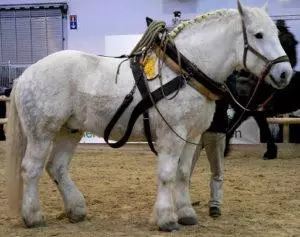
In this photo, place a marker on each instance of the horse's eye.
(259, 35)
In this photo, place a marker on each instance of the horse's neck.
(211, 46)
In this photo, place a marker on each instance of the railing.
(285, 121)
(9, 72)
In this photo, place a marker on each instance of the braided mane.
(202, 19)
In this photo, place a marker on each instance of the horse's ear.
(148, 21)
(244, 12)
(265, 7)
(240, 7)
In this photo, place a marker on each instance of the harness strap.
(213, 92)
(193, 71)
(147, 131)
(144, 104)
(138, 75)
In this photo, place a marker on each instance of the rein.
(245, 107)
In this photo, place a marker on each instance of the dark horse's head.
(287, 41)
(288, 99)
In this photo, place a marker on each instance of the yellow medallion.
(149, 66)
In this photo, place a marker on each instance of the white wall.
(99, 18)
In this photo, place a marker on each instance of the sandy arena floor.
(261, 198)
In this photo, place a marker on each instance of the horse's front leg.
(186, 213)
(169, 150)
(263, 125)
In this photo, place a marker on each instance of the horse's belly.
(186, 111)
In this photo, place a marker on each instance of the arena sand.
(261, 198)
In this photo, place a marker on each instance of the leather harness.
(188, 73)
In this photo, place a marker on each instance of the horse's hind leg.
(32, 168)
(57, 167)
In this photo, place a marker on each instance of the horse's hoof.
(269, 157)
(75, 218)
(188, 220)
(169, 227)
(35, 224)
(227, 151)
(214, 212)
(271, 152)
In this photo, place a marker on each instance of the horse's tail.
(16, 146)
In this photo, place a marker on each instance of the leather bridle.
(248, 47)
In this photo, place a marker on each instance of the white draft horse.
(74, 91)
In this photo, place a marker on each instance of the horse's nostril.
(282, 75)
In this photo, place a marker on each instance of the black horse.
(2, 115)
(280, 102)
(3, 91)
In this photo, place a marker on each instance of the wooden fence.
(285, 121)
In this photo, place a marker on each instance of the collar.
(194, 76)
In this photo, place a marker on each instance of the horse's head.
(287, 41)
(262, 52)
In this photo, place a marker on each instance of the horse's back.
(70, 85)
(66, 63)
(45, 91)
